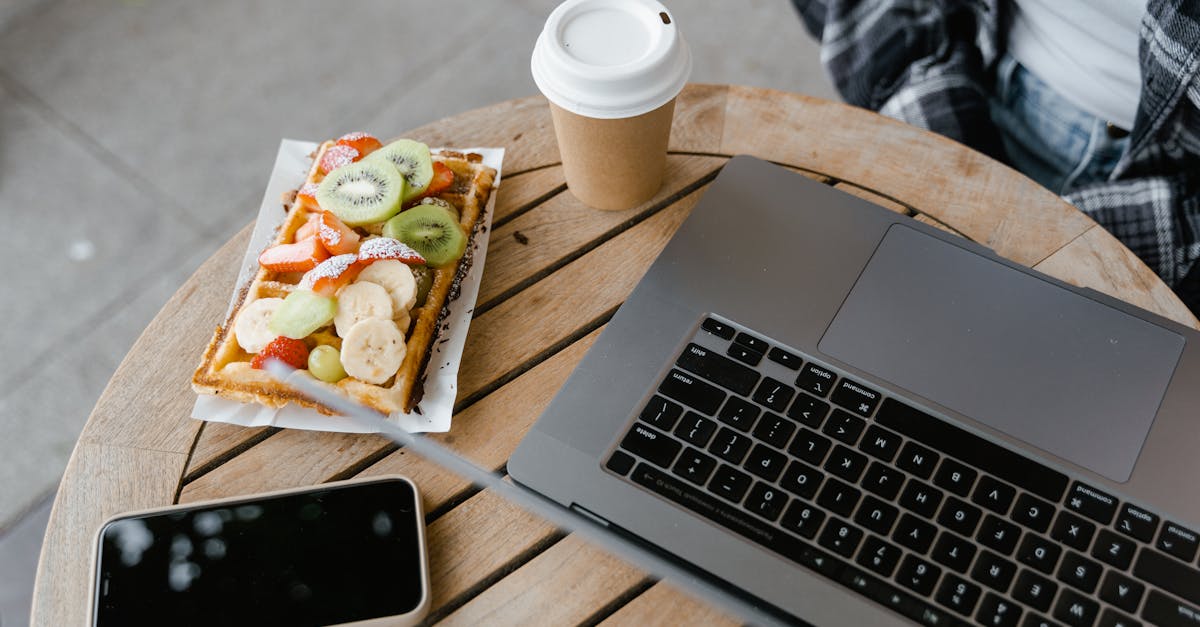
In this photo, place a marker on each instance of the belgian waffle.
(225, 369)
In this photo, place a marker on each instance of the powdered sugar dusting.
(308, 189)
(330, 235)
(353, 137)
(338, 156)
(388, 248)
(328, 269)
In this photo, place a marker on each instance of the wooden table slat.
(664, 605)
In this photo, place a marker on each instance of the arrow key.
(1122, 591)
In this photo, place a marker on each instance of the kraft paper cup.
(611, 70)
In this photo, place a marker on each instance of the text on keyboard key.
(1137, 523)
(855, 397)
(808, 411)
(1178, 541)
(693, 392)
(815, 379)
(717, 368)
(1092, 503)
(651, 445)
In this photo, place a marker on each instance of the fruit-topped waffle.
(354, 288)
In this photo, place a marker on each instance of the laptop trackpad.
(1064, 373)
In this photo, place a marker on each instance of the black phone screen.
(326, 556)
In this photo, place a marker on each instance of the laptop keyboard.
(910, 511)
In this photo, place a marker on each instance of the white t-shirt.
(1086, 50)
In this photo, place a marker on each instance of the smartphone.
(349, 552)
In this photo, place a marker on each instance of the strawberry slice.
(309, 229)
(337, 156)
(298, 257)
(332, 274)
(443, 177)
(388, 248)
(364, 143)
(306, 196)
(338, 238)
(291, 352)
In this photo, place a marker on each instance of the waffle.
(225, 369)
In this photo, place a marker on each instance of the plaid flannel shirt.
(929, 63)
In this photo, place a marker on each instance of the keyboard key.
(1163, 610)
(1177, 541)
(1073, 531)
(846, 463)
(775, 430)
(766, 500)
(620, 462)
(694, 466)
(883, 481)
(1113, 618)
(1039, 553)
(784, 358)
(955, 477)
(959, 516)
(993, 571)
(1159, 570)
(717, 328)
(1121, 591)
(765, 462)
(917, 459)
(661, 413)
(921, 498)
(808, 411)
(730, 483)
(1113, 549)
(739, 414)
(1032, 512)
(1075, 609)
(880, 443)
(879, 556)
(774, 395)
(855, 397)
(993, 495)
(958, 594)
(914, 533)
(810, 446)
(651, 445)
(998, 534)
(838, 497)
(1037, 620)
(973, 450)
(801, 479)
(696, 429)
(803, 519)
(1092, 503)
(730, 445)
(751, 342)
(815, 379)
(953, 552)
(717, 368)
(1137, 523)
(998, 612)
(840, 537)
(703, 397)
(917, 575)
(844, 427)
(876, 515)
(1034, 590)
(744, 354)
(1079, 572)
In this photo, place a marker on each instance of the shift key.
(651, 445)
(718, 368)
(693, 392)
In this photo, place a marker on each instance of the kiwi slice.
(362, 193)
(431, 231)
(412, 160)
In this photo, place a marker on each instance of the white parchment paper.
(441, 383)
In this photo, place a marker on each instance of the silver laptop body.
(1101, 397)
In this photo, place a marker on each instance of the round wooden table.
(555, 273)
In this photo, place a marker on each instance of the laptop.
(851, 418)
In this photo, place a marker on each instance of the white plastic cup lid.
(610, 58)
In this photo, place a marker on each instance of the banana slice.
(397, 279)
(358, 301)
(251, 326)
(403, 321)
(373, 350)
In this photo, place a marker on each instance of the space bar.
(736, 520)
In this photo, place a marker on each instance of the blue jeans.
(1047, 137)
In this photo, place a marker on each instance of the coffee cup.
(611, 70)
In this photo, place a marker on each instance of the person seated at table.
(1098, 100)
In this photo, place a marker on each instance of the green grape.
(424, 277)
(325, 363)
